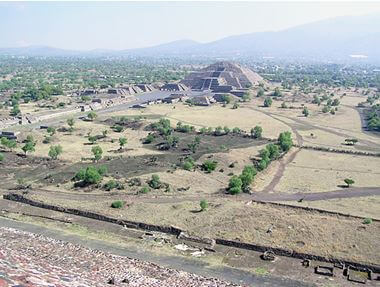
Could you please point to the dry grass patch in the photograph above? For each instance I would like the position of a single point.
(313, 171)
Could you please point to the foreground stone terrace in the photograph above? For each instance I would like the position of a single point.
(28, 259)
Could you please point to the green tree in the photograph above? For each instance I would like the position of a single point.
(55, 151)
(155, 182)
(285, 141)
(274, 151)
(122, 142)
(256, 132)
(267, 102)
(97, 152)
(247, 176)
(349, 181)
(117, 204)
(92, 139)
(7, 143)
(71, 123)
(235, 185)
(188, 164)
(92, 115)
(209, 165)
(90, 175)
(305, 112)
(277, 93)
(51, 131)
(203, 204)
(149, 139)
(260, 92)
(28, 147)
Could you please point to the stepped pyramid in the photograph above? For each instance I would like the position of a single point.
(222, 77)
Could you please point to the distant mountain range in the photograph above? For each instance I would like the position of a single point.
(333, 39)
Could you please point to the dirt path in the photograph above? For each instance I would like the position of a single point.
(280, 171)
(352, 192)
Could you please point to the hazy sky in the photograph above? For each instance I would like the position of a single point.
(124, 25)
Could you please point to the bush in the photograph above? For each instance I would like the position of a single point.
(117, 204)
(349, 181)
(203, 204)
(97, 152)
(235, 185)
(117, 128)
(55, 151)
(149, 139)
(155, 182)
(267, 102)
(274, 151)
(263, 163)
(112, 184)
(188, 164)
(285, 141)
(209, 166)
(247, 176)
(256, 132)
(367, 221)
(90, 175)
(144, 189)
(1, 157)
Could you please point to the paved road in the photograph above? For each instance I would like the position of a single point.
(225, 273)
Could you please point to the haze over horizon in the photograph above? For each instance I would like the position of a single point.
(129, 25)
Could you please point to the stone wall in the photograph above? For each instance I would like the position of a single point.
(180, 233)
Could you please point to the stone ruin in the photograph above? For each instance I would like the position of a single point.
(223, 77)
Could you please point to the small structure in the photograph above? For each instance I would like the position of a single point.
(174, 87)
(324, 270)
(9, 135)
(175, 98)
(203, 100)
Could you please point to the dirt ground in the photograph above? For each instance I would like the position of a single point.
(230, 218)
(362, 206)
(315, 171)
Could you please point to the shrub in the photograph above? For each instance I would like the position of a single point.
(367, 221)
(92, 115)
(209, 166)
(236, 130)
(235, 106)
(203, 204)
(247, 176)
(28, 147)
(112, 184)
(144, 189)
(263, 163)
(55, 151)
(188, 164)
(117, 204)
(349, 181)
(97, 152)
(267, 102)
(149, 139)
(117, 128)
(155, 182)
(51, 130)
(274, 151)
(285, 141)
(90, 175)
(122, 142)
(1, 157)
(235, 185)
(256, 132)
